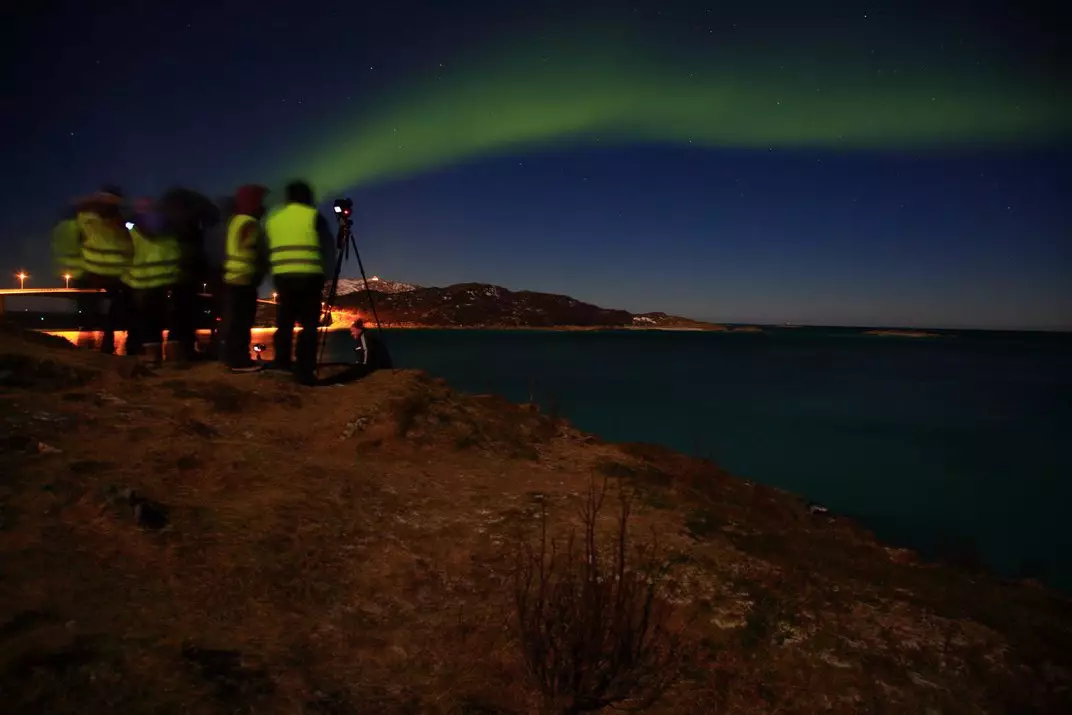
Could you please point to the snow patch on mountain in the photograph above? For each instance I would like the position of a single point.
(381, 285)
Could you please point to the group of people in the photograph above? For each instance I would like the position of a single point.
(152, 258)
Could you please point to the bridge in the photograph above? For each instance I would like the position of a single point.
(72, 293)
(46, 291)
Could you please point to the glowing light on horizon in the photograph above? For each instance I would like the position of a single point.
(22, 276)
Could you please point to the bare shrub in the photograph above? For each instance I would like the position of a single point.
(593, 626)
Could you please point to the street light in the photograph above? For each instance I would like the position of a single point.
(275, 296)
(67, 278)
(21, 275)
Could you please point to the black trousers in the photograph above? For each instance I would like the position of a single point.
(116, 316)
(184, 318)
(218, 305)
(298, 302)
(239, 313)
(86, 305)
(152, 305)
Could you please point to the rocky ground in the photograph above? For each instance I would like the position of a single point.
(196, 542)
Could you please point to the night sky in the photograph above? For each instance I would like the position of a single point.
(897, 164)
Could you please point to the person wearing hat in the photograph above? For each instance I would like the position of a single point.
(243, 270)
(107, 251)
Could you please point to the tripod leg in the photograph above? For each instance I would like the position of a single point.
(332, 293)
(368, 292)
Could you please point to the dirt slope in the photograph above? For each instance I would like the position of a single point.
(348, 549)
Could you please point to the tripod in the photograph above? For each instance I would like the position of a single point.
(344, 241)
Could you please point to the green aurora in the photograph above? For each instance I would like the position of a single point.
(613, 92)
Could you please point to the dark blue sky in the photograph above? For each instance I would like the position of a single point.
(150, 94)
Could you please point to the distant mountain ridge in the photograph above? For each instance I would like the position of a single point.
(484, 305)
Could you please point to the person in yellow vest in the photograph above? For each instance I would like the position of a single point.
(299, 242)
(153, 272)
(67, 248)
(243, 270)
(67, 259)
(107, 251)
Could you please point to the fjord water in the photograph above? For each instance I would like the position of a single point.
(957, 446)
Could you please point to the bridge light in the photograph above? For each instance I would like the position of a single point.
(67, 278)
(22, 276)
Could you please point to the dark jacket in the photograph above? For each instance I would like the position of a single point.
(371, 352)
(187, 215)
(216, 237)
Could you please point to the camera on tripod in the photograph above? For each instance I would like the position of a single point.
(344, 242)
(343, 208)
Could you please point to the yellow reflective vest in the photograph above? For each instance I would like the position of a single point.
(67, 249)
(156, 261)
(293, 243)
(240, 264)
(107, 249)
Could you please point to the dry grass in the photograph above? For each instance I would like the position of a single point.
(591, 619)
(347, 549)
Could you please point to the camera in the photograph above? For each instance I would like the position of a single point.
(343, 208)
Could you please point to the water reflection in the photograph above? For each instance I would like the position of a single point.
(91, 340)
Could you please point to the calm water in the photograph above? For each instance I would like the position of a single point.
(957, 444)
(953, 446)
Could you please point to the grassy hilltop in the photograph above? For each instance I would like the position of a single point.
(365, 549)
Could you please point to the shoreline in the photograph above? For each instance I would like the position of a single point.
(341, 325)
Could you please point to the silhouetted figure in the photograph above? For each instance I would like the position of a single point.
(243, 270)
(297, 234)
(216, 236)
(215, 250)
(370, 355)
(370, 352)
(187, 215)
(107, 251)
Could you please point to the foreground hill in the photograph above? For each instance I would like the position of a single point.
(353, 550)
(483, 305)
